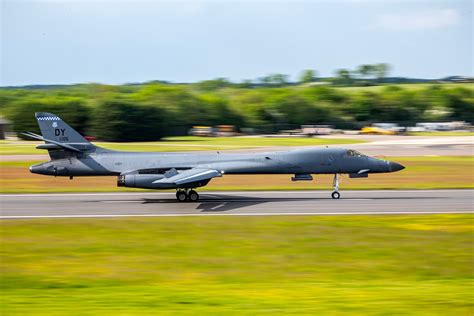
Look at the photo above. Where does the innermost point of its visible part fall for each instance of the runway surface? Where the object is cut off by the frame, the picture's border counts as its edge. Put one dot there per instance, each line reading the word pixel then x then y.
pixel 256 203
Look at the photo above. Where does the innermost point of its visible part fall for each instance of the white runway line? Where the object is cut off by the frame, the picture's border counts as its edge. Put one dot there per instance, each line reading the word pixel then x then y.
pixel 218 193
pixel 223 214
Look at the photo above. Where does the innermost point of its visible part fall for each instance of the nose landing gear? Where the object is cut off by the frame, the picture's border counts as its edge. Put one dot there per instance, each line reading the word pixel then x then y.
pixel 335 194
pixel 187 195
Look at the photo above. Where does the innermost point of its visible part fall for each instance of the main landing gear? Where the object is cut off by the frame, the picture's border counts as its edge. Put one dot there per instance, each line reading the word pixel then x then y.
pixel 335 194
pixel 187 195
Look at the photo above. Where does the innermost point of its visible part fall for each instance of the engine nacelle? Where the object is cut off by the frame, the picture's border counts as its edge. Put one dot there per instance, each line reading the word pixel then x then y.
pixel 359 175
pixel 144 181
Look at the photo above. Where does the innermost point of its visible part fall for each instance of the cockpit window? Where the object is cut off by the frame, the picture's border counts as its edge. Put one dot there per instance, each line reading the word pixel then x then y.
pixel 354 153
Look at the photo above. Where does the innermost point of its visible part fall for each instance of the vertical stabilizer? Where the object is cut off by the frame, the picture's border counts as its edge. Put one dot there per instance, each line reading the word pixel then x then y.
pixel 54 128
pixel 62 141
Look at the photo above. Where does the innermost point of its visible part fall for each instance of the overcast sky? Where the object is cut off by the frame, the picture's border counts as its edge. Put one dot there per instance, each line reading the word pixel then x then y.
pixel 59 42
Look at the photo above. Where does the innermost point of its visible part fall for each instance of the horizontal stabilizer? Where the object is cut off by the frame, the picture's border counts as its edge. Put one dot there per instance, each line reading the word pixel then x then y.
pixel 62 145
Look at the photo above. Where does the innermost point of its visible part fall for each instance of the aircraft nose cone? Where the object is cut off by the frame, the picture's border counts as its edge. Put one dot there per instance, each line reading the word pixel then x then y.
pixel 395 166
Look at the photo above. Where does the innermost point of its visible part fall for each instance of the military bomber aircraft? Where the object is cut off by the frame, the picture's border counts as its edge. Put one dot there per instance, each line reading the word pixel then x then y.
pixel 72 155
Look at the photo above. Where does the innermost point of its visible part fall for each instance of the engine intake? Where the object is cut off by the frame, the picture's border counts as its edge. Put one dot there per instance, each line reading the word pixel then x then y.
pixel 302 177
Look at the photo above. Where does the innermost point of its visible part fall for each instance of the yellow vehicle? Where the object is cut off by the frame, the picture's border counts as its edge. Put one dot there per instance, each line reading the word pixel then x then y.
pixel 206 131
pixel 225 130
pixel 209 131
pixel 373 130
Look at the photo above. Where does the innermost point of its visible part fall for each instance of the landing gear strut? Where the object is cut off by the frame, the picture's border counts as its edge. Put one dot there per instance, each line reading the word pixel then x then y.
pixel 335 194
pixel 187 195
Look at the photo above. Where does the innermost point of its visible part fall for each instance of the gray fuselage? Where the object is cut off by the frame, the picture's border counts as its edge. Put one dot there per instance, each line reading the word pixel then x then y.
pixel 102 162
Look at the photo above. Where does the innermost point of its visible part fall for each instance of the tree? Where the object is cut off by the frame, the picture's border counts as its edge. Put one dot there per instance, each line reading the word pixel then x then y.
pixel 209 85
pixel 343 76
pixel 365 70
pixel 461 104
pixel 70 109
pixel 119 120
pixel 246 83
pixel 307 76
pixel 266 80
pixel 381 70
pixel 279 79
pixel 274 80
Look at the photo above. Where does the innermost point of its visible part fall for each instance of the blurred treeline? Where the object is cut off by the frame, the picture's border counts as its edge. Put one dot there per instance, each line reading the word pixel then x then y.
pixel 152 111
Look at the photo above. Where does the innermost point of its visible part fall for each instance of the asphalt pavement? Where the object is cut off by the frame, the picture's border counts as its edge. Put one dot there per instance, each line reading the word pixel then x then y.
pixel 258 203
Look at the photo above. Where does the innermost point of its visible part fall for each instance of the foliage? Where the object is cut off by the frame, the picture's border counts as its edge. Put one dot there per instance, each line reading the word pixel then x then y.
pixel 366 74
pixel 71 109
pixel 307 76
pixel 121 121
pixel 154 110
pixel 343 77
pixel 274 80
pixel 215 84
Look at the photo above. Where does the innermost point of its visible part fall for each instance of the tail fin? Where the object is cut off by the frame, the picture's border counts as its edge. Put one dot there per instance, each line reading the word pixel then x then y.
pixel 54 128
pixel 61 140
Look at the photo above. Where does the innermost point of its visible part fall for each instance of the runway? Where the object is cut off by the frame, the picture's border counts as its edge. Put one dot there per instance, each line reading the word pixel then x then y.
pixel 257 203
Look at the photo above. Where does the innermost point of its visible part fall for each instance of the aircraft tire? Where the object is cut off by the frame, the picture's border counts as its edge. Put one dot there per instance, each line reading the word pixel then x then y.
pixel 335 195
pixel 193 196
pixel 181 196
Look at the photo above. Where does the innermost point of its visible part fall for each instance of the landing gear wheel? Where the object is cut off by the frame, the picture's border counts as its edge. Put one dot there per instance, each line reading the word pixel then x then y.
pixel 193 196
pixel 335 194
pixel 181 196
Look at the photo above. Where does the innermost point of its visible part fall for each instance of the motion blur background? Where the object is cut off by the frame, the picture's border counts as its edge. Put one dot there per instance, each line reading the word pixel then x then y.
pixel 258 65
pixel 389 78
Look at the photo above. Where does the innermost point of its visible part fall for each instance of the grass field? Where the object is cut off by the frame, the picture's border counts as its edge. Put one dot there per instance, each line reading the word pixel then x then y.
pixel 420 173
pixel 186 143
pixel 359 265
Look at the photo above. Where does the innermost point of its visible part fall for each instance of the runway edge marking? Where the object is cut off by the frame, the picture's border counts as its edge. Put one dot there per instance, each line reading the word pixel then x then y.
pixel 8 195
pixel 220 214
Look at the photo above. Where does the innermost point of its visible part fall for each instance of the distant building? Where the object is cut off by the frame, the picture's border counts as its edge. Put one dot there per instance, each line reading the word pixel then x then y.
pixel 4 127
pixel 456 79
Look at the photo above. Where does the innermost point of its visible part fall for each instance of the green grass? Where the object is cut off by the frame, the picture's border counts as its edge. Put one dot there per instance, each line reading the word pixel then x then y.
pixel 363 265
pixel 186 143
